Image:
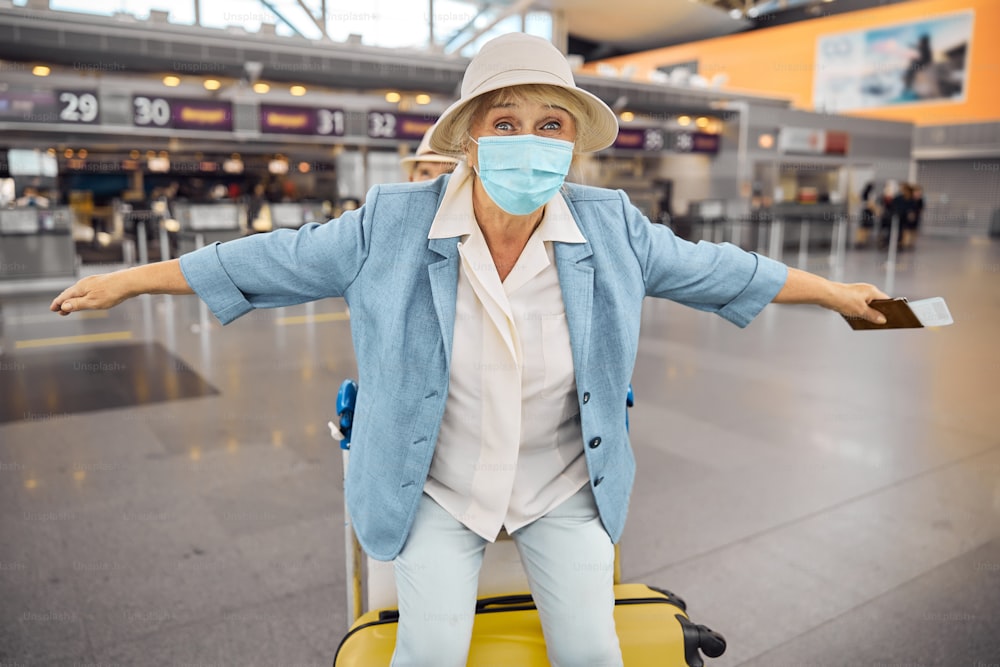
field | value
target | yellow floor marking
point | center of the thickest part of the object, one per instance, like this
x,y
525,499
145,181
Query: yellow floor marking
x,y
73,340
308,319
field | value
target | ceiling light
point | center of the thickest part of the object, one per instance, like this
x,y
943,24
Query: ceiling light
x,y
392,97
684,120
261,87
82,153
627,116
68,153
212,84
298,91
134,154
422,99
702,122
41,70
171,81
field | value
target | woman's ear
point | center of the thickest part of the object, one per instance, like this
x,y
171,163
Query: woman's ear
x,y
467,152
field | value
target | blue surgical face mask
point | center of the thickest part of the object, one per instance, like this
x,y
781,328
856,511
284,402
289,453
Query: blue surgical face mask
x,y
521,173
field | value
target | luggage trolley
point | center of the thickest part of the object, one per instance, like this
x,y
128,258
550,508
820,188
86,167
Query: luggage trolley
x,y
652,623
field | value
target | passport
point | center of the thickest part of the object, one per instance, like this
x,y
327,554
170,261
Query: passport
x,y
902,314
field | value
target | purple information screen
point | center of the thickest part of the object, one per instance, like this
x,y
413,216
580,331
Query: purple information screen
x,y
392,125
282,119
639,139
49,106
182,114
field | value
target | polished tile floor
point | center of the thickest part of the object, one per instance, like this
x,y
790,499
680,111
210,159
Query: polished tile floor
x,y
170,495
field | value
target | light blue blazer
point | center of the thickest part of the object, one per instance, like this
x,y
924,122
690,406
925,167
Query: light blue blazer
x,y
401,289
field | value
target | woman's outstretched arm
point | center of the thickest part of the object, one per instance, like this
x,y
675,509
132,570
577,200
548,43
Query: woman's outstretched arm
x,y
106,290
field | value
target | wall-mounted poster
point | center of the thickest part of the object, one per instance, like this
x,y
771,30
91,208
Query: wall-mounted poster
x,y
920,61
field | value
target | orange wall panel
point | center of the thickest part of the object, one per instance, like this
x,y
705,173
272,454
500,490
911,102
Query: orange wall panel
x,y
780,61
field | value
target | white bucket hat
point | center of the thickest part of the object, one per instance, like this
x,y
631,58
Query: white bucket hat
x,y
517,59
425,154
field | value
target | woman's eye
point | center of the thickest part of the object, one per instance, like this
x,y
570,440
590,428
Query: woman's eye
x,y
552,125
503,126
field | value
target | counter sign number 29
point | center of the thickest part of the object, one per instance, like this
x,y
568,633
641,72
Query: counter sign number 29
x,y
78,107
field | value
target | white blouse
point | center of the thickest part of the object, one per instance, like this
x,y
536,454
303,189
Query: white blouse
x,y
510,447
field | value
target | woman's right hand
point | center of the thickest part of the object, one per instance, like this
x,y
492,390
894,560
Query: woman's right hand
x,y
98,292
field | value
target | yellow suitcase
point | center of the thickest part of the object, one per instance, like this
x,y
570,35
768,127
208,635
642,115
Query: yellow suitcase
x,y
653,629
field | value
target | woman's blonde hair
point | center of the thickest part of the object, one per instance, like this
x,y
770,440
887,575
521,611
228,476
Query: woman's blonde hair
x,y
539,93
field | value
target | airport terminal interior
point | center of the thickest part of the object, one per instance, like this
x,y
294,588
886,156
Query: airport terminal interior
x,y
170,491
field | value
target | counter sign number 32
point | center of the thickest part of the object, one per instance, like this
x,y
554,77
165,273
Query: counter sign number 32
x,y
381,125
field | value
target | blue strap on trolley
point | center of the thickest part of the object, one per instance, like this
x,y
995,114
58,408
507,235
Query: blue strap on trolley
x,y
347,397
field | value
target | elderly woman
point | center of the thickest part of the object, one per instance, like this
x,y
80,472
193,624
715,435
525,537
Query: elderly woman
x,y
425,164
495,317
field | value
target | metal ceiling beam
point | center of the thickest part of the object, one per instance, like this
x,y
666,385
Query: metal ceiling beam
x,y
284,20
319,26
517,8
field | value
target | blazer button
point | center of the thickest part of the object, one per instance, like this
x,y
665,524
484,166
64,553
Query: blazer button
x,y
586,397
598,481
595,443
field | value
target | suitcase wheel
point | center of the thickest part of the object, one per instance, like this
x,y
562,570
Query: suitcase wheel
x,y
699,639
712,643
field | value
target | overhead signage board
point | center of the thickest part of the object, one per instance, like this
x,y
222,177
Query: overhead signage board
x,y
657,139
393,125
282,119
695,142
639,139
28,105
810,141
182,114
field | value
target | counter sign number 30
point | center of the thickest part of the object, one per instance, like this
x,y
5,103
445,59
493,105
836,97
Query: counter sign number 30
x,y
155,111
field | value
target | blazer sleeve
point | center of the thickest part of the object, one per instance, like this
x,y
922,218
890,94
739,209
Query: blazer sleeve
x,y
284,267
718,278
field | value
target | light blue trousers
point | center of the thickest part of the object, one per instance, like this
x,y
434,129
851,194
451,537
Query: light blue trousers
x,y
569,560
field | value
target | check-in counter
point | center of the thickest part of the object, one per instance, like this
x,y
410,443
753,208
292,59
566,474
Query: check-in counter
x,y
295,214
36,243
808,226
204,224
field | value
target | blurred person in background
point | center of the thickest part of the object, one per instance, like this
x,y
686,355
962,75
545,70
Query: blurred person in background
x,y
31,197
867,218
495,316
7,192
258,211
425,164
890,206
914,215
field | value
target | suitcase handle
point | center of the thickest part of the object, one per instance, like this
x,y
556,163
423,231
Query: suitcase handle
x,y
505,601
